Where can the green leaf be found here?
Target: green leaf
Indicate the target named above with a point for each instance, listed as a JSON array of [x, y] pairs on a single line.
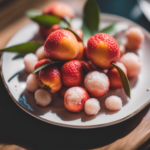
[[42, 19], [67, 20], [110, 29], [91, 16], [74, 33], [86, 34], [115, 28], [19, 55], [47, 20], [29, 47], [124, 79], [43, 66], [63, 24]]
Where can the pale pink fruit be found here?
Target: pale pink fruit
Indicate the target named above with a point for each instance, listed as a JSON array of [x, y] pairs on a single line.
[[113, 103], [75, 99], [42, 97], [134, 38], [40, 53], [32, 83], [29, 61], [96, 83], [132, 63], [92, 106]]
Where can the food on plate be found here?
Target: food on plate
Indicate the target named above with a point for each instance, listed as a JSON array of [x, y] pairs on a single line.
[[42, 97], [49, 79], [62, 91], [85, 52], [87, 67], [90, 64], [45, 31], [122, 49], [71, 57], [92, 106], [114, 77], [113, 103], [75, 98], [32, 83], [134, 38], [102, 49], [41, 63], [96, 83], [72, 73], [29, 61], [132, 63], [40, 53], [59, 9], [81, 51], [61, 45]]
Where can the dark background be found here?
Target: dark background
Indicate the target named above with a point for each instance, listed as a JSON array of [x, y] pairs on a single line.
[[126, 8]]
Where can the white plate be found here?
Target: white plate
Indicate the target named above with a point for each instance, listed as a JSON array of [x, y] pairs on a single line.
[[56, 113]]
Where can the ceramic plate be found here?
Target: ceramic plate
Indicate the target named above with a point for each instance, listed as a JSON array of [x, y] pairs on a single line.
[[14, 78]]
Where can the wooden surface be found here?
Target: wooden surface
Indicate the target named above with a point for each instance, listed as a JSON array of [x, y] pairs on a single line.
[[131, 134]]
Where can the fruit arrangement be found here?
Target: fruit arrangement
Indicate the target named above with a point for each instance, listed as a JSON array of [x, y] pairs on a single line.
[[80, 65]]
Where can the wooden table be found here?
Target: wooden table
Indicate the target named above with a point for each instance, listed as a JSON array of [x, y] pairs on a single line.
[[19, 131]]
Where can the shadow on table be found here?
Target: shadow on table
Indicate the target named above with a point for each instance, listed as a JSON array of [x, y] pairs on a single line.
[[17, 127], [33, 134]]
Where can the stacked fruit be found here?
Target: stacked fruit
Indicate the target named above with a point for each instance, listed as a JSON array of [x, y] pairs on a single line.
[[80, 74]]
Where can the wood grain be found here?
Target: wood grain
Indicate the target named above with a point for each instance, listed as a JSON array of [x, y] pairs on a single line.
[[135, 139], [9, 27], [10, 147]]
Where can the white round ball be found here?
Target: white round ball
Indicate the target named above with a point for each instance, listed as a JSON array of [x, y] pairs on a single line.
[[95, 80], [134, 37], [32, 83], [42, 97], [40, 53], [74, 95], [132, 63], [113, 103], [29, 61], [92, 106]]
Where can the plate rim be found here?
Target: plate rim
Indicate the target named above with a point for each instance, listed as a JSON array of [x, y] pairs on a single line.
[[76, 126]]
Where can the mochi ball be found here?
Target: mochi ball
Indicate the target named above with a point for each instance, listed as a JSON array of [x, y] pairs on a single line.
[[92, 106], [132, 63], [134, 38], [113, 103], [75, 98], [42, 97], [32, 83], [40, 53], [29, 61], [96, 83]]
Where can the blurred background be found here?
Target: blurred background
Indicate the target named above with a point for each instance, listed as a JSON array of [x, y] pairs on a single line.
[[12, 12]]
